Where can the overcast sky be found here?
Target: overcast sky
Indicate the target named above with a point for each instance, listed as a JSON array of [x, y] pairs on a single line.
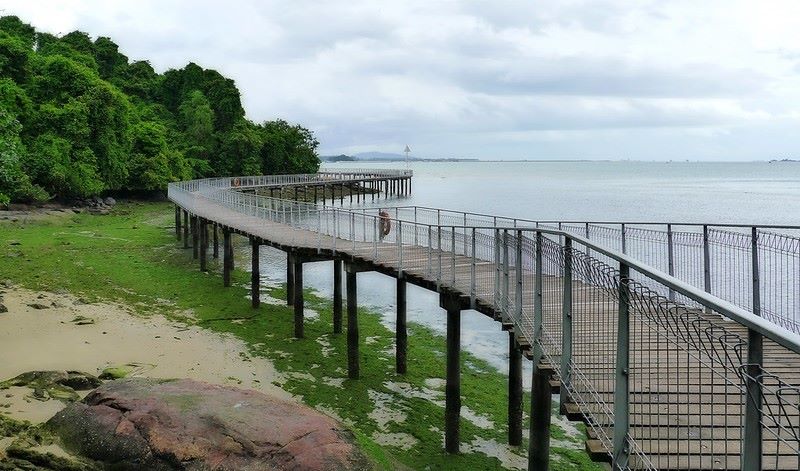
[[644, 80]]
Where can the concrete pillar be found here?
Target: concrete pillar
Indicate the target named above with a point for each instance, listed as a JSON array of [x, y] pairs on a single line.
[[514, 391], [298, 298], [255, 272], [541, 397], [227, 261], [401, 333], [337, 296], [352, 323]]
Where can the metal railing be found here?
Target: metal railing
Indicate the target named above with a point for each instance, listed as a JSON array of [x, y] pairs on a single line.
[[718, 258], [666, 374]]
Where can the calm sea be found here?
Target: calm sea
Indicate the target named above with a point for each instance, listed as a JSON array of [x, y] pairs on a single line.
[[747, 193]]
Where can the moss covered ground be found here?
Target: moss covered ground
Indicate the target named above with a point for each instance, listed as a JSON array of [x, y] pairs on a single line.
[[131, 256]]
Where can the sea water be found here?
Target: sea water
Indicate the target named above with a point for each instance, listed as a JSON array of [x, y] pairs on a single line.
[[744, 193]]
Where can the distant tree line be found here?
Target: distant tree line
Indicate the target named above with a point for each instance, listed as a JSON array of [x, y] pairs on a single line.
[[77, 118]]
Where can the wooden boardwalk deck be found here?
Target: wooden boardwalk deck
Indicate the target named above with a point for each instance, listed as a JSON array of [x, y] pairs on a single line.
[[686, 407]]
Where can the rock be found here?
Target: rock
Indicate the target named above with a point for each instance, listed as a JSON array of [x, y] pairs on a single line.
[[184, 424], [59, 385], [3, 308], [38, 305], [14, 242], [116, 372], [109, 201]]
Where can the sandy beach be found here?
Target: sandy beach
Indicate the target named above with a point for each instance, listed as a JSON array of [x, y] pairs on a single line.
[[64, 333]]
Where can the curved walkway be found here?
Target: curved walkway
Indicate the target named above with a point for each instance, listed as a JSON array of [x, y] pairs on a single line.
[[698, 383]]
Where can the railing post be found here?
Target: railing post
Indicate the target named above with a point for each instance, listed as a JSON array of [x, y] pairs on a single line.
[[670, 259], [473, 281], [400, 244], [539, 443], [518, 297], [430, 249], [622, 450], [566, 324], [537, 300], [453, 254], [335, 230], [504, 306], [752, 443], [497, 268], [706, 261], [622, 233], [415, 226]]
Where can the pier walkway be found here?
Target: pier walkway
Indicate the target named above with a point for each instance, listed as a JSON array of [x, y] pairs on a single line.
[[665, 373]]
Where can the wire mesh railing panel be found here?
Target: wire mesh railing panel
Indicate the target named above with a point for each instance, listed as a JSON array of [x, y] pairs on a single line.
[[779, 269], [779, 402], [594, 319]]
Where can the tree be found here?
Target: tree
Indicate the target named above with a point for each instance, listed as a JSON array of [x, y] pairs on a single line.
[[240, 151], [110, 62], [15, 184], [288, 148], [79, 119], [14, 58], [153, 163], [197, 123], [13, 26]]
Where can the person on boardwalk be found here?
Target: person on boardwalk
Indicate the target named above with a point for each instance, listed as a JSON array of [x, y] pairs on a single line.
[[384, 224]]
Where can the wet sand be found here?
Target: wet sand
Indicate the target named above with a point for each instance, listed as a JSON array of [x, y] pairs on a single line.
[[51, 339]]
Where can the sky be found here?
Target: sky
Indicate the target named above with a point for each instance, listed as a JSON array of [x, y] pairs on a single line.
[[555, 79]]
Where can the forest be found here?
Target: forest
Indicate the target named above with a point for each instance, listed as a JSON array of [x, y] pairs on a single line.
[[78, 119]]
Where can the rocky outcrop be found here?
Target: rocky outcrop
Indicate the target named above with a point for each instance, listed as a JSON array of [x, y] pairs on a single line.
[[60, 385], [189, 425]]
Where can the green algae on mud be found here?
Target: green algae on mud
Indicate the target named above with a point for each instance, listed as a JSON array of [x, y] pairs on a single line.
[[132, 257]]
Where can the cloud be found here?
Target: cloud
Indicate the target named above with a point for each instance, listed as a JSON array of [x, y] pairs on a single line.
[[506, 79]]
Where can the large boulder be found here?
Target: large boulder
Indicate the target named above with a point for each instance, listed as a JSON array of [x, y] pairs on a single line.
[[190, 425]]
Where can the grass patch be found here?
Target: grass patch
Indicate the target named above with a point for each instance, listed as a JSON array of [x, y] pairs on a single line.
[[132, 256]]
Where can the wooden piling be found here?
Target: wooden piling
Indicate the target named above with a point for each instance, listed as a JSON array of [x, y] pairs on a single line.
[[352, 325], [185, 229], [401, 333], [452, 409], [216, 242], [195, 237], [227, 252], [255, 272], [203, 227], [177, 222], [514, 391], [298, 298], [541, 397], [337, 296], [289, 279]]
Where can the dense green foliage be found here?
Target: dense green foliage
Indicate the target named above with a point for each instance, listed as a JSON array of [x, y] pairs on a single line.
[[77, 118]]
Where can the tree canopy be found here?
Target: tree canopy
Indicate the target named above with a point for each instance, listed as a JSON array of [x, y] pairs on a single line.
[[78, 118]]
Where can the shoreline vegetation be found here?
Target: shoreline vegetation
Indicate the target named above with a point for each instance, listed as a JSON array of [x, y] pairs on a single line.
[[79, 119], [130, 259]]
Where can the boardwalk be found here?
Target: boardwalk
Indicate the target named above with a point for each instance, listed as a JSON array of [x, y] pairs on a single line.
[[661, 385]]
